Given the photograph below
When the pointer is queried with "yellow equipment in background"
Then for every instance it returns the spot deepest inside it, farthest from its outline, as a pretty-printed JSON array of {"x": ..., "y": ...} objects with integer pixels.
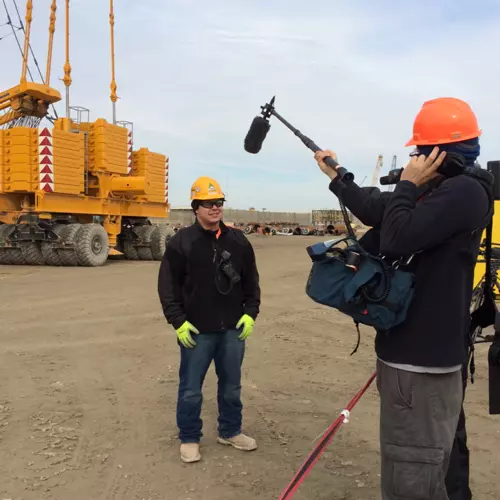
[
  {"x": 480, "y": 268},
  {"x": 75, "y": 192}
]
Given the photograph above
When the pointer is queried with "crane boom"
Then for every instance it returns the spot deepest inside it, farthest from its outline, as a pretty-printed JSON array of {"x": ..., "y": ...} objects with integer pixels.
[
  {"x": 52, "y": 29},
  {"x": 27, "y": 103},
  {"x": 67, "y": 66},
  {"x": 29, "y": 18},
  {"x": 376, "y": 172},
  {"x": 113, "y": 87},
  {"x": 390, "y": 187}
]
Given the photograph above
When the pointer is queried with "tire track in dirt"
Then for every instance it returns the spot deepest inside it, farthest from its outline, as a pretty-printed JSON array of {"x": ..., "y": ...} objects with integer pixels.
[
  {"x": 45, "y": 434},
  {"x": 103, "y": 427}
]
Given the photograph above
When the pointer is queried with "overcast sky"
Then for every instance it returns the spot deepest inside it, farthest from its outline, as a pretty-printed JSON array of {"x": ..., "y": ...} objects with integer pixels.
[{"x": 351, "y": 75}]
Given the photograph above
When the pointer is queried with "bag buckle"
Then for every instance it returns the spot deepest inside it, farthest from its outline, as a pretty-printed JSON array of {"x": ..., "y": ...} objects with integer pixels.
[{"x": 352, "y": 261}]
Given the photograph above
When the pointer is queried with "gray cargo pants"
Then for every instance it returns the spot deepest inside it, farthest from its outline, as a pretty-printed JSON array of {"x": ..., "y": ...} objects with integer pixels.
[{"x": 418, "y": 420}]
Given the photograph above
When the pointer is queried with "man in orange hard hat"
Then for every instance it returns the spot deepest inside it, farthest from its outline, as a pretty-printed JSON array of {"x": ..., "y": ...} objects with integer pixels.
[
  {"x": 208, "y": 286},
  {"x": 466, "y": 142},
  {"x": 436, "y": 216}
]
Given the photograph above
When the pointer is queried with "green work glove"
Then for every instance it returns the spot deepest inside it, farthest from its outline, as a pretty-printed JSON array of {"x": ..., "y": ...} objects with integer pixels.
[
  {"x": 184, "y": 335},
  {"x": 247, "y": 323}
]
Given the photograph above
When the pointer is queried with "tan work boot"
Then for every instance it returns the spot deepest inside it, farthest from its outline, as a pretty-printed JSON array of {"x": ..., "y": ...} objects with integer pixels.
[
  {"x": 240, "y": 442},
  {"x": 190, "y": 452}
]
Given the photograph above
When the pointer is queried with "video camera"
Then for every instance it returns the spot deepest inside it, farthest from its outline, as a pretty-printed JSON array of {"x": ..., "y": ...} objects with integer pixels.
[
  {"x": 453, "y": 164},
  {"x": 227, "y": 268}
]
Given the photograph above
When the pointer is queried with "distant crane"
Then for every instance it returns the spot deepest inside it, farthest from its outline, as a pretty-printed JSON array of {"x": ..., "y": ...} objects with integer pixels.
[
  {"x": 378, "y": 168},
  {"x": 390, "y": 187}
]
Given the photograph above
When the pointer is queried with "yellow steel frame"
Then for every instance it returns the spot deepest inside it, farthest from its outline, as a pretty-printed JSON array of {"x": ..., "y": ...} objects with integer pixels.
[
  {"x": 60, "y": 203},
  {"x": 13, "y": 205}
]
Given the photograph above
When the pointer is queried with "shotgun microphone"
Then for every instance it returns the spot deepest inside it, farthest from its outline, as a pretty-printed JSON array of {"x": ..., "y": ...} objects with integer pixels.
[
  {"x": 260, "y": 127},
  {"x": 256, "y": 134}
]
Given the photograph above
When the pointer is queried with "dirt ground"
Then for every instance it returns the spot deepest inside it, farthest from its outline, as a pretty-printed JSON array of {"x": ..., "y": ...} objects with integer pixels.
[{"x": 88, "y": 381}]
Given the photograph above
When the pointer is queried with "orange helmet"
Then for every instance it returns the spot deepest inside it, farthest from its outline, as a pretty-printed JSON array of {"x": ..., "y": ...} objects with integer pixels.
[
  {"x": 444, "y": 120},
  {"x": 206, "y": 188}
]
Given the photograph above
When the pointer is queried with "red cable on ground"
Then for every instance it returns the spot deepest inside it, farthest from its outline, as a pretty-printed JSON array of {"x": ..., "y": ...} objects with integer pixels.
[{"x": 313, "y": 457}]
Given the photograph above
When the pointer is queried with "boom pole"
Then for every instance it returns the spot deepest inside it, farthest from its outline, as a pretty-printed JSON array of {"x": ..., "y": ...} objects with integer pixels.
[{"x": 113, "y": 86}]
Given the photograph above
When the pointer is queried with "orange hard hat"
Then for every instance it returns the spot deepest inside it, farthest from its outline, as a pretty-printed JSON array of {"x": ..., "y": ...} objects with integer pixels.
[
  {"x": 444, "y": 120},
  {"x": 206, "y": 188}
]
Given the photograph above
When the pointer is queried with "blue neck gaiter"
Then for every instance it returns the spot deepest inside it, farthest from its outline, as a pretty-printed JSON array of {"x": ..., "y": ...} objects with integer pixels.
[{"x": 470, "y": 149}]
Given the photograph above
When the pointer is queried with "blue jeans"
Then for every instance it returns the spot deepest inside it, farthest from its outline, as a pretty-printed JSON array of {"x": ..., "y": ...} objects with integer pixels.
[{"x": 227, "y": 352}]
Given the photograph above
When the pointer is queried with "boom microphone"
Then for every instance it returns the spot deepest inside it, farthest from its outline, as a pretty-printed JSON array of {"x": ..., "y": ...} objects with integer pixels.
[
  {"x": 260, "y": 127},
  {"x": 256, "y": 134}
]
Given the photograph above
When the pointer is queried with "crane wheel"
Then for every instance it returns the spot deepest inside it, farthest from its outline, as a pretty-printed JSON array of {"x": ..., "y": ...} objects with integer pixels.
[
  {"x": 68, "y": 237},
  {"x": 92, "y": 245},
  {"x": 4, "y": 254},
  {"x": 129, "y": 250},
  {"x": 50, "y": 254},
  {"x": 146, "y": 233},
  {"x": 32, "y": 253},
  {"x": 9, "y": 256},
  {"x": 15, "y": 257},
  {"x": 159, "y": 240}
]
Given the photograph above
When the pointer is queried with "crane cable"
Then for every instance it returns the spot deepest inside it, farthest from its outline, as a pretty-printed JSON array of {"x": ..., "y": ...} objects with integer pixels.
[
  {"x": 8, "y": 34},
  {"x": 34, "y": 59},
  {"x": 9, "y": 21}
]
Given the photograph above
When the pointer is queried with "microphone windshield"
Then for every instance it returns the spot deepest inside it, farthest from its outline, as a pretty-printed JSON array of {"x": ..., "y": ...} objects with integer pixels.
[{"x": 256, "y": 134}]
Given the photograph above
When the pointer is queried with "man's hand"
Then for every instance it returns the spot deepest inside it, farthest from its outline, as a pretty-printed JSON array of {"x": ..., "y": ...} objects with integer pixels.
[
  {"x": 319, "y": 156},
  {"x": 184, "y": 335},
  {"x": 247, "y": 323},
  {"x": 422, "y": 169}
]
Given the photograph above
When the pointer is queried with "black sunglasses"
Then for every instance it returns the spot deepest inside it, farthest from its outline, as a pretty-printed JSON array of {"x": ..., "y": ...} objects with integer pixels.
[{"x": 211, "y": 203}]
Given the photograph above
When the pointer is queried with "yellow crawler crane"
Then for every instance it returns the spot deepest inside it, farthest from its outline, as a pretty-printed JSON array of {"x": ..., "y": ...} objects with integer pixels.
[{"x": 75, "y": 192}]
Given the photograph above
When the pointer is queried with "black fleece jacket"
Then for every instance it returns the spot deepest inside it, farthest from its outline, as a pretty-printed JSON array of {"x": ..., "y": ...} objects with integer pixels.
[
  {"x": 187, "y": 279},
  {"x": 443, "y": 228}
]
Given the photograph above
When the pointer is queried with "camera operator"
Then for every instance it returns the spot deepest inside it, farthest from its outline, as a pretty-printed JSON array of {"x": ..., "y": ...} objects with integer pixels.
[
  {"x": 208, "y": 285},
  {"x": 437, "y": 217}
]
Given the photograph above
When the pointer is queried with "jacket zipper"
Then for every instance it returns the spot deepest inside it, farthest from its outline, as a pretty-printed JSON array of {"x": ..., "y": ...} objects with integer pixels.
[{"x": 221, "y": 314}]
